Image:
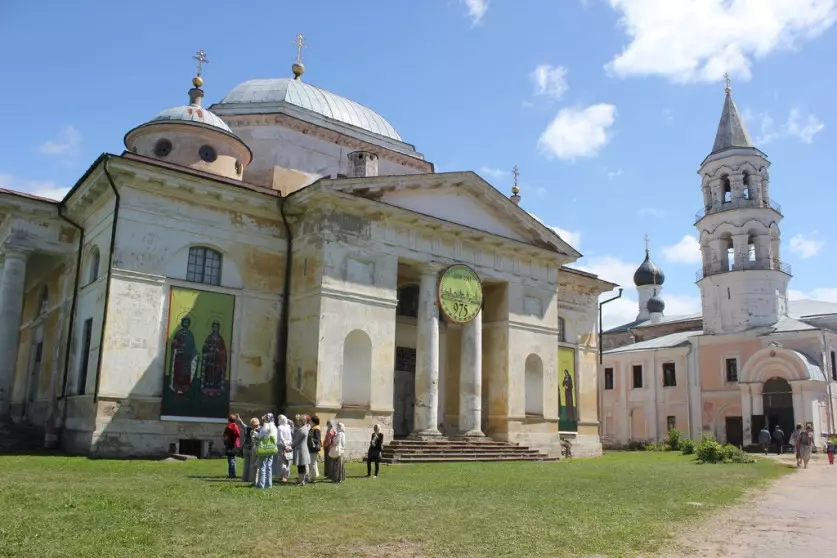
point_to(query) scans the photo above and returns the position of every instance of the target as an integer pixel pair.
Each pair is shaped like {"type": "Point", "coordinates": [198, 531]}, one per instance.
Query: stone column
{"type": "Point", "coordinates": [12, 286]}
{"type": "Point", "coordinates": [426, 421]}
{"type": "Point", "coordinates": [798, 410]}
{"type": "Point", "coordinates": [757, 396]}
{"type": "Point", "coordinates": [470, 379]}
{"type": "Point", "coordinates": [747, 414]}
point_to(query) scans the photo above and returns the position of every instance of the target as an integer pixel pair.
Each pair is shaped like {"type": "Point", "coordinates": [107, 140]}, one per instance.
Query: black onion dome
{"type": "Point", "coordinates": [655, 305]}
{"type": "Point", "coordinates": [648, 273]}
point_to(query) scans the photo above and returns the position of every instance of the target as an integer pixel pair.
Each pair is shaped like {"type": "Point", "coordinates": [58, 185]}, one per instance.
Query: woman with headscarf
{"type": "Point", "coordinates": [248, 447]}
{"type": "Point", "coordinates": [806, 444]}
{"type": "Point", "coordinates": [265, 450]}
{"type": "Point", "coordinates": [376, 447]}
{"type": "Point", "coordinates": [328, 440]}
{"type": "Point", "coordinates": [300, 444]}
{"type": "Point", "coordinates": [338, 447]}
{"type": "Point", "coordinates": [285, 443]}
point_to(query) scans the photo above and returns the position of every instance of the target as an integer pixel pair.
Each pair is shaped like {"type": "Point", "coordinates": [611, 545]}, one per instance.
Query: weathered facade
{"type": "Point", "coordinates": [285, 255]}
{"type": "Point", "coordinates": [751, 358]}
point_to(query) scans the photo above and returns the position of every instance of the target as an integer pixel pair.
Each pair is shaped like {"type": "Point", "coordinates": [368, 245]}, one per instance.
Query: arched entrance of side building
{"type": "Point", "coordinates": [781, 387]}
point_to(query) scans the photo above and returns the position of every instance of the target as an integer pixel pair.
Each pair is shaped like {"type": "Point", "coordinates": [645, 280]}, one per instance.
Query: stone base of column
{"type": "Point", "coordinates": [427, 436]}
{"type": "Point", "coordinates": [475, 436]}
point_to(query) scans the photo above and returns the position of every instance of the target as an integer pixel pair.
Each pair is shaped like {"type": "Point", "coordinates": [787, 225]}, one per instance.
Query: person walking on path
{"type": "Point", "coordinates": [232, 441]}
{"type": "Point", "coordinates": [376, 446]}
{"type": "Point", "coordinates": [778, 439]}
{"type": "Point", "coordinates": [829, 449]}
{"type": "Point", "coordinates": [794, 441]}
{"type": "Point", "coordinates": [806, 445]}
{"type": "Point", "coordinates": [764, 439]}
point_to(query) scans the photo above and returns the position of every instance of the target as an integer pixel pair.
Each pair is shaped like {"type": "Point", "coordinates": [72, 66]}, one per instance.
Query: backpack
{"type": "Point", "coordinates": [314, 442]}
{"type": "Point", "coordinates": [805, 439]}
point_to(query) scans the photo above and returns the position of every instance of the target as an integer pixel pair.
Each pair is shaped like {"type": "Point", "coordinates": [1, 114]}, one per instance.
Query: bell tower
{"type": "Point", "coordinates": [743, 283]}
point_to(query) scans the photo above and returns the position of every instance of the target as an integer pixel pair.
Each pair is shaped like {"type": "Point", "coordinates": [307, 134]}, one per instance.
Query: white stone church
{"type": "Point", "coordinates": [280, 251]}
{"type": "Point", "coordinates": [752, 357]}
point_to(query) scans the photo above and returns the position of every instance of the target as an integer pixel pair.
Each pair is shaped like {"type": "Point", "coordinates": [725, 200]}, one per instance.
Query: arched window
{"type": "Point", "coordinates": [43, 300]}
{"type": "Point", "coordinates": [562, 330]}
{"type": "Point", "coordinates": [408, 300]}
{"type": "Point", "coordinates": [534, 385]}
{"type": "Point", "coordinates": [357, 370]}
{"type": "Point", "coordinates": [93, 260]}
{"type": "Point", "coordinates": [726, 189]}
{"type": "Point", "coordinates": [204, 266]}
{"type": "Point", "coordinates": [746, 180]}
{"type": "Point", "coordinates": [751, 248]}
{"type": "Point", "coordinates": [727, 253]}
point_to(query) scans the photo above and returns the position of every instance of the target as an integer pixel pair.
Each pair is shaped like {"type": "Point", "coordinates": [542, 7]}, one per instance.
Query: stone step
{"type": "Point", "coordinates": [464, 459]}
{"type": "Point", "coordinates": [457, 454]}
{"type": "Point", "coordinates": [452, 451]}
{"type": "Point", "coordinates": [457, 448]}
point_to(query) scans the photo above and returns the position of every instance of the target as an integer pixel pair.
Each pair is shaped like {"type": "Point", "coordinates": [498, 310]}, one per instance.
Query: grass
{"type": "Point", "coordinates": [621, 504]}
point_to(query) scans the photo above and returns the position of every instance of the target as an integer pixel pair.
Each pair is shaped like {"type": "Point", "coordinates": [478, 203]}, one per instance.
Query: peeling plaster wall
{"type": "Point", "coordinates": [155, 230]}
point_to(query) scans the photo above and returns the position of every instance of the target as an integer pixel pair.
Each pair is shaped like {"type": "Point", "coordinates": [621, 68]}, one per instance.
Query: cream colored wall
{"type": "Point", "coordinates": [713, 361]}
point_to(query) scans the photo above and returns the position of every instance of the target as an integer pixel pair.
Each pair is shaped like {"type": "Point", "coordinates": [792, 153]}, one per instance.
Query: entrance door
{"type": "Point", "coordinates": [735, 431]}
{"type": "Point", "coordinates": [403, 392]}
{"type": "Point", "coordinates": [777, 398]}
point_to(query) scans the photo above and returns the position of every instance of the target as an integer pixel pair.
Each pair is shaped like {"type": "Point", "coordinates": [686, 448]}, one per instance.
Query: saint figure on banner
{"type": "Point", "coordinates": [569, 400]}
{"type": "Point", "coordinates": [213, 362]}
{"type": "Point", "coordinates": [184, 357]}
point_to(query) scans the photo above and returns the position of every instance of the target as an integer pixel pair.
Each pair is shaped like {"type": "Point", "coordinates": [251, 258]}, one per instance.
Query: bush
{"type": "Point", "coordinates": [710, 451]}
{"type": "Point", "coordinates": [636, 445]}
{"type": "Point", "coordinates": [687, 446]}
{"type": "Point", "coordinates": [732, 454]}
{"type": "Point", "coordinates": [674, 439]}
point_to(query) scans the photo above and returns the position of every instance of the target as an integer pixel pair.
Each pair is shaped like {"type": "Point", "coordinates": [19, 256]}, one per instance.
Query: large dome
{"type": "Point", "coordinates": [256, 94]}
{"type": "Point", "coordinates": [192, 113]}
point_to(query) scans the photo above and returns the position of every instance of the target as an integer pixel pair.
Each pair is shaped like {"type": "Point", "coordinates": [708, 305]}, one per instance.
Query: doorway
{"type": "Point", "coordinates": [777, 398]}
{"type": "Point", "coordinates": [403, 392]}
{"type": "Point", "coordinates": [735, 431]}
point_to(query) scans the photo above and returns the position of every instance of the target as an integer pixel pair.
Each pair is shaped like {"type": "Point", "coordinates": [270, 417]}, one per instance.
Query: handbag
{"type": "Point", "coordinates": [335, 452]}
{"type": "Point", "coordinates": [267, 447]}
{"type": "Point", "coordinates": [288, 454]}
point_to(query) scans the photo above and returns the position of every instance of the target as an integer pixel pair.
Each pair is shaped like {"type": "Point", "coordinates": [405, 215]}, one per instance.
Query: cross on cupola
{"type": "Point", "coordinates": [298, 67]}
{"type": "Point", "coordinates": [200, 56]}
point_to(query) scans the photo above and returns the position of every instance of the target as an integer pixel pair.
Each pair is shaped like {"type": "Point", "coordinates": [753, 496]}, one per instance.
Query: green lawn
{"type": "Point", "coordinates": [619, 505]}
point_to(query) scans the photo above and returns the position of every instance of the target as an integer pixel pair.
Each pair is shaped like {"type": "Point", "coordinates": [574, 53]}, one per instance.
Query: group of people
{"type": "Point", "coordinates": [802, 441]}
{"type": "Point", "coordinates": [272, 446]}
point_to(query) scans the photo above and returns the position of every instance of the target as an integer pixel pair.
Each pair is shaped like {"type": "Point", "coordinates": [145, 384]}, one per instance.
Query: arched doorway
{"type": "Point", "coordinates": [777, 398]}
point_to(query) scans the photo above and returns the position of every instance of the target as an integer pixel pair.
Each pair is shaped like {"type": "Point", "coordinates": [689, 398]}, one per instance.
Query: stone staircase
{"type": "Point", "coordinates": [457, 451]}
{"type": "Point", "coordinates": [15, 438]}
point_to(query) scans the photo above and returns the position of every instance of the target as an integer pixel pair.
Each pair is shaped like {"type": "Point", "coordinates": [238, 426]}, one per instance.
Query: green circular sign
{"type": "Point", "coordinates": [460, 293]}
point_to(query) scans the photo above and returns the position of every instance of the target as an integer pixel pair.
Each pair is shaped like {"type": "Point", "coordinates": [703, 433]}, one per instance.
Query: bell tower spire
{"type": "Point", "coordinates": [743, 283]}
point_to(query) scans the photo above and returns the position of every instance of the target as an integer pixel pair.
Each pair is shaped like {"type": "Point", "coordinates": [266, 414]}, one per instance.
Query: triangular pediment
{"type": "Point", "coordinates": [462, 198]}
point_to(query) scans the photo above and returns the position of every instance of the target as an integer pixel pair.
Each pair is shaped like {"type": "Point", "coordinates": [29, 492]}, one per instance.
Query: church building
{"type": "Point", "coordinates": [286, 250]}
{"type": "Point", "coordinates": [751, 358]}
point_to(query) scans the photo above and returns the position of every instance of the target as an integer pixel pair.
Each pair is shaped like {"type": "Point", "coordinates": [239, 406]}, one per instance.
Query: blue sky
{"type": "Point", "coordinates": [607, 106]}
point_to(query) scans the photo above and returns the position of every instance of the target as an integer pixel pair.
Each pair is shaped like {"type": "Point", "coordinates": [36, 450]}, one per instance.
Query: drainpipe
{"type": "Point", "coordinates": [601, 358]}
{"type": "Point", "coordinates": [282, 364]}
{"type": "Point", "coordinates": [109, 278]}
{"type": "Point", "coordinates": [75, 299]}
{"type": "Point", "coordinates": [828, 378]}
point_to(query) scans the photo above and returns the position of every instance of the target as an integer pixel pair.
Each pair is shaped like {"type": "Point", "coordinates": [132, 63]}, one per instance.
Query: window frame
{"type": "Point", "coordinates": [609, 373]}
{"type": "Point", "coordinates": [196, 269]}
{"type": "Point", "coordinates": [673, 371]}
{"type": "Point", "coordinates": [634, 369]}
{"type": "Point", "coordinates": [725, 369]}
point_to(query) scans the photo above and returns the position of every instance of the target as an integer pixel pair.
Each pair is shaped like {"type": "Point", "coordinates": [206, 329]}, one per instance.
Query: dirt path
{"type": "Point", "coordinates": [796, 517]}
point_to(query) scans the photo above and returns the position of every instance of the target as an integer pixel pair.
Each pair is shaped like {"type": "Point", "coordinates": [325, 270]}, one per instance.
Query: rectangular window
{"type": "Point", "coordinates": [637, 368]}
{"type": "Point", "coordinates": [608, 378]}
{"type": "Point", "coordinates": [669, 376]}
{"type": "Point", "coordinates": [204, 266]}
{"type": "Point", "coordinates": [732, 369]}
{"type": "Point", "coordinates": [81, 387]}
{"type": "Point", "coordinates": [671, 422]}
{"type": "Point", "coordinates": [834, 366]}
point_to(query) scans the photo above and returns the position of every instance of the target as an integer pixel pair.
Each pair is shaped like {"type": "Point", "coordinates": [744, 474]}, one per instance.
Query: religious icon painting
{"type": "Point", "coordinates": [197, 367]}
{"type": "Point", "coordinates": [567, 393]}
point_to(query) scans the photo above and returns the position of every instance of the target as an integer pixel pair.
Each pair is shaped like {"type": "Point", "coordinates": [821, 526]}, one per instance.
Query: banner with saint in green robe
{"type": "Point", "coordinates": [196, 381]}
{"type": "Point", "coordinates": [567, 393]}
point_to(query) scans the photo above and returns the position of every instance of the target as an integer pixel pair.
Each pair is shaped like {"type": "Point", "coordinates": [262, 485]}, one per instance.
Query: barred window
{"type": "Point", "coordinates": [204, 266]}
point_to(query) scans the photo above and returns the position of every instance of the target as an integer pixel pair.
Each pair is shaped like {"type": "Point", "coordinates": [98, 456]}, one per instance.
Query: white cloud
{"type": "Point", "coordinates": [573, 238]}
{"type": "Point", "coordinates": [685, 251]}
{"type": "Point", "coordinates": [67, 142]}
{"type": "Point", "coordinates": [651, 212]}
{"type": "Point", "coordinates": [550, 80]}
{"type": "Point", "coordinates": [802, 127]}
{"type": "Point", "coordinates": [804, 131]}
{"type": "Point", "coordinates": [699, 40]}
{"type": "Point", "coordinates": [476, 9]}
{"type": "Point", "coordinates": [541, 192]}
{"type": "Point", "coordinates": [578, 132]}
{"type": "Point", "coordinates": [614, 174]}
{"type": "Point", "coordinates": [822, 293]}
{"type": "Point", "coordinates": [493, 173]}
{"type": "Point", "coordinates": [40, 188]}
{"type": "Point", "coordinates": [806, 246]}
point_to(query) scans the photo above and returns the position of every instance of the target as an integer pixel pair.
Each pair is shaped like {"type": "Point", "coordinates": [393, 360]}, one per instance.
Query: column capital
{"type": "Point", "coordinates": [12, 251]}
{"type": "Point", "coordinates": [430, 268]}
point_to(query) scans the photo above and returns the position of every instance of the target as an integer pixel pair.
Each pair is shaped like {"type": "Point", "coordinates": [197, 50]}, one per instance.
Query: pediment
{"type": "Point", "coordinates": [462, 198]}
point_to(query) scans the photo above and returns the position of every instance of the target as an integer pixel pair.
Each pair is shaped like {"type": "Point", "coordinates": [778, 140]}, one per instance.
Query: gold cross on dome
{"type": "Point", "coordinates": [300, 44]}
{"type": "Point", "coordinates": [200, 56]}
{"type": "Point", "coordinates": [728, 81]}
{"type": "Point", "coordinates": [516, 173]}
